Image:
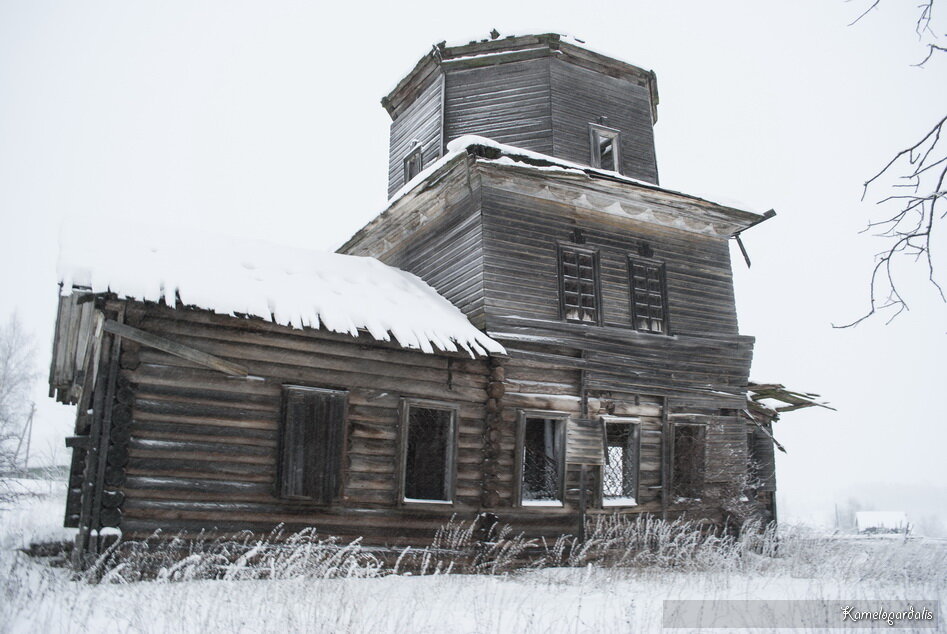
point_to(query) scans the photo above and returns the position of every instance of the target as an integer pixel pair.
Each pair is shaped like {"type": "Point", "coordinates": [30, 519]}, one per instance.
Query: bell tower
{"type": "Point", "coordinates": [543, 93]}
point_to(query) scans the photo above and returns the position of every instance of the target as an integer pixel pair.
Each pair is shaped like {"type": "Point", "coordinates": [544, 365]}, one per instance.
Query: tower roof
{"type": "Point", "coordinates": [489, 52]}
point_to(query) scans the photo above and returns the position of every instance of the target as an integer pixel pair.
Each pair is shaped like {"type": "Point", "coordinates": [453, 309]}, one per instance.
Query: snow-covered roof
{"type": "Point", "coordinates": [292, 286]}
{"type": "Point", "coordinates": [512, 155]}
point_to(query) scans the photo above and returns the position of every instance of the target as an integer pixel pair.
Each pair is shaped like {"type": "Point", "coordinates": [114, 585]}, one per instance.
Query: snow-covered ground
{"type": "Point", "coordinates": [35, 597]}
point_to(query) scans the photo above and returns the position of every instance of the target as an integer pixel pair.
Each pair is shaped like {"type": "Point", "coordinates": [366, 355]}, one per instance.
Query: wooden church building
{"type": "Point", "coordinates": [534, 328]}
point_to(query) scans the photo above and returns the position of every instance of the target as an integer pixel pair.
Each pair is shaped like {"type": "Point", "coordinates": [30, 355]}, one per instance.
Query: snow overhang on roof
{"type": "Point", "coordinates": [708, 216]}
{"type": "Point", "coordinates": [290, 286]}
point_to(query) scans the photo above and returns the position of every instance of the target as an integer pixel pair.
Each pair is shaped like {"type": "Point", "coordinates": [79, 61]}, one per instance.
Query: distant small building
{"type": "Point", "coordinates": [876, 522]}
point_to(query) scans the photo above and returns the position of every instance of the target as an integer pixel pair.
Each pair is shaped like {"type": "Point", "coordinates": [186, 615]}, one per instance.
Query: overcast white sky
{"type": "Point", "coordinates": [262, 119]}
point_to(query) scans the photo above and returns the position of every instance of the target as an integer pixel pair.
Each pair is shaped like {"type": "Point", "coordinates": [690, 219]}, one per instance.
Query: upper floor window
{"type": "Point", "coordinates": [579, 294]}
{"type": "Point", "coordinates": [606, 147]}
{"type": "Point", "coordinates": [648, 296]}
{"type": "Point", "coordinates": [428, 451]}
{"type": "Point", "coordinates": [620, 471]}
{"type": "Point", "coordinates": [541, 459]}
{"type": "Point", "coordinates": [311, 441]}
{"type": "Point", "coordinates": [413, 163]}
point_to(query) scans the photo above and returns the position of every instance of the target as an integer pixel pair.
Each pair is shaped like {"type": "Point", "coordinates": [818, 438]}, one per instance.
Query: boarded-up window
{"type": "Point", "coordinates": [620, 471]}
{"type": "Point", "coordinates": [541, 460]}
{"type": "Point", "coordinates": [413, 164]}
{"type": "Point", "coordinates": [648, 296]}
{"type": "Point", "coordinates": [605, 144]}
{"type": "Point", "coordinates": [688, 464]}
{"type": "Point", "coordinates": [578, 284]}
{"type": "Point", "coordinates": [428, 452]}
{"type": "Point", "coordinates": [311, 437]}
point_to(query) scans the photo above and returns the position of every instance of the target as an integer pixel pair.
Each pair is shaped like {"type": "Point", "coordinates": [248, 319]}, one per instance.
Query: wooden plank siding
{"type": "Point", "coordinates": [520, 273]}
{"type": "Point", "coordinates": [625, 106]}
{"type": "Point", "coordinates": [513, 220]}
{"type": "Point", "coordinates": [509, 103]}
{"type": "Point", "coordinates": [436, 234]}
{"type": "Point", "coordinates": [419, 121]}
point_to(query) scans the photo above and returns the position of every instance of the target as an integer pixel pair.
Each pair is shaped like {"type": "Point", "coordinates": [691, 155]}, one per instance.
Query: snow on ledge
{"type": "Point", "coordinates": [292, 286]}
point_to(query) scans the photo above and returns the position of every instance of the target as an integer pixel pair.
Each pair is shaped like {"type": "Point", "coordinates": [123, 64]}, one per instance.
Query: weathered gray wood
{"type": "Point", "coordinates": [172, 347]}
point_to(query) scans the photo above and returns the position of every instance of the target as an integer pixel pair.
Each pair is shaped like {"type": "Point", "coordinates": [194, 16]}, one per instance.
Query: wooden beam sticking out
{"type": "Point", "coordinates": [177, 349]}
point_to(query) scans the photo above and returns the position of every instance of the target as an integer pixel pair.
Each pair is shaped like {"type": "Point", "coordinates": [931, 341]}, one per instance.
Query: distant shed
{"type": "Point", "coordinates": [882, 522]}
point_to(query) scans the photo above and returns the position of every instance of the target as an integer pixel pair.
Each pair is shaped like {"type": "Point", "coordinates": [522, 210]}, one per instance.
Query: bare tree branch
{"type": "Point", "coordinates": [921, 170]}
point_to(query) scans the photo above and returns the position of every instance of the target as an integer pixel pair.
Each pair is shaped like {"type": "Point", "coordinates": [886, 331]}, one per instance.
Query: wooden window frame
{"type": "Point", "coordinates": [562, 419]}
{"type": "Point", "coordinates": [673, 459]}
{"type": "Point", "coordinates": [561, 248]}
{"type": "Point", "coordinates": [662, 277]}
{"type": "Point", "coordinates": [339, 484]}
{"type": "Point", "coordinates": [451, 476]}
{"type": "Point", "coordinates": [635, 424]}
{"type": "Point", "coordinates": [596, 131]}
{"type": "Point", "coordinates": [416, 153]}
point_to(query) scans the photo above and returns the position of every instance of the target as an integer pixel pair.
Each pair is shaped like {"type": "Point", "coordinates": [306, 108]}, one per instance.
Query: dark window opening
{"type": "Point", "coordinates": [428, 454]}
{"type": "Point", "coordinates": [688, 466]}
{"type": "Point", "coordinates": [606, 147]}
{"type": "Point", "coordinates": [648, 296]}
{"type": "Point", "coordinates": [578, 285]}
{"type": "Point", "coordinates": [311, 442]}
{"type": "Point", "coordinates": [413, 164]}
{"type": "Point", "coordinates": [542, 460]}
{"type": "Point", "coordinates": [753, 470]}
{"type": "Point", "coordinates": [620, 472]}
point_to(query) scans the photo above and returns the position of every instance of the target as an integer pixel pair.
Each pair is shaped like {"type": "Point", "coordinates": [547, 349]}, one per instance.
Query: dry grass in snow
{"type": "Point", "coordinates": [616, 581]}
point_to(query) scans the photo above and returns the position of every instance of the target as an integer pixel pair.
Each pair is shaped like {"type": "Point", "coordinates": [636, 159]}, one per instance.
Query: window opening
{"type": "Point", "coordinates": [428, 454]}
{"type": "Point", "coordinates": [542, 460]}
{"type": "Point", "coordinates": [688, 466]}
{"type": "Point", "coordinates": [578, 282]}
{"type": "Point", "coordinates": [620, 472]}
{"type": "Point", "coordinates": [606, 147]}
{"type": "Point", "coordinates": [648, 296]}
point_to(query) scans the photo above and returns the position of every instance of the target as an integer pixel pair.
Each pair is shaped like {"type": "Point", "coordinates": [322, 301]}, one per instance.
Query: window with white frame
{"type": "Point", "coordinates": [428, 451]}
{"type": "Point", "coordinates": [413, 163]}
{"type": "Point", "coordinates": [579, 293]}
{"type": "Point", "coordinates": [605, 144]}
{"type": "Point", "coordinates": [541, 441]}
{"type": "Point", "coordinates": [620, 468]}
{"type": "Point", "coordinates": [648, 295]}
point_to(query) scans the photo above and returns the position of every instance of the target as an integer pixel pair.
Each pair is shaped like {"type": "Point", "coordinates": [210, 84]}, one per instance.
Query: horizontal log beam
{"type": "Point", "coordinates": [177, 349]}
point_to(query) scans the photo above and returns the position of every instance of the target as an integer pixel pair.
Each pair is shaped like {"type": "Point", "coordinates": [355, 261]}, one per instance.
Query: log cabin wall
{"type": "Point", "coordinates": [201, 448]}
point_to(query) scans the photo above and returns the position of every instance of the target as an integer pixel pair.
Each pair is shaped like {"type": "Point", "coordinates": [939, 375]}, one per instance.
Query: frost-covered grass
{"type": "Point", "coordinates": [616, 581]}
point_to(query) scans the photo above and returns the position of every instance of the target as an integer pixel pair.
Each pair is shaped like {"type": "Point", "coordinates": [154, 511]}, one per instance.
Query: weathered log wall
{"type": "Point", "coordinates": [202, 449]}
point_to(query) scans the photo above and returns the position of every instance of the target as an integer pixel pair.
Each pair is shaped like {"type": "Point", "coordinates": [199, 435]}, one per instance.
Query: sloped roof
{"type": "Point", "coordinates": [291, 286]}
